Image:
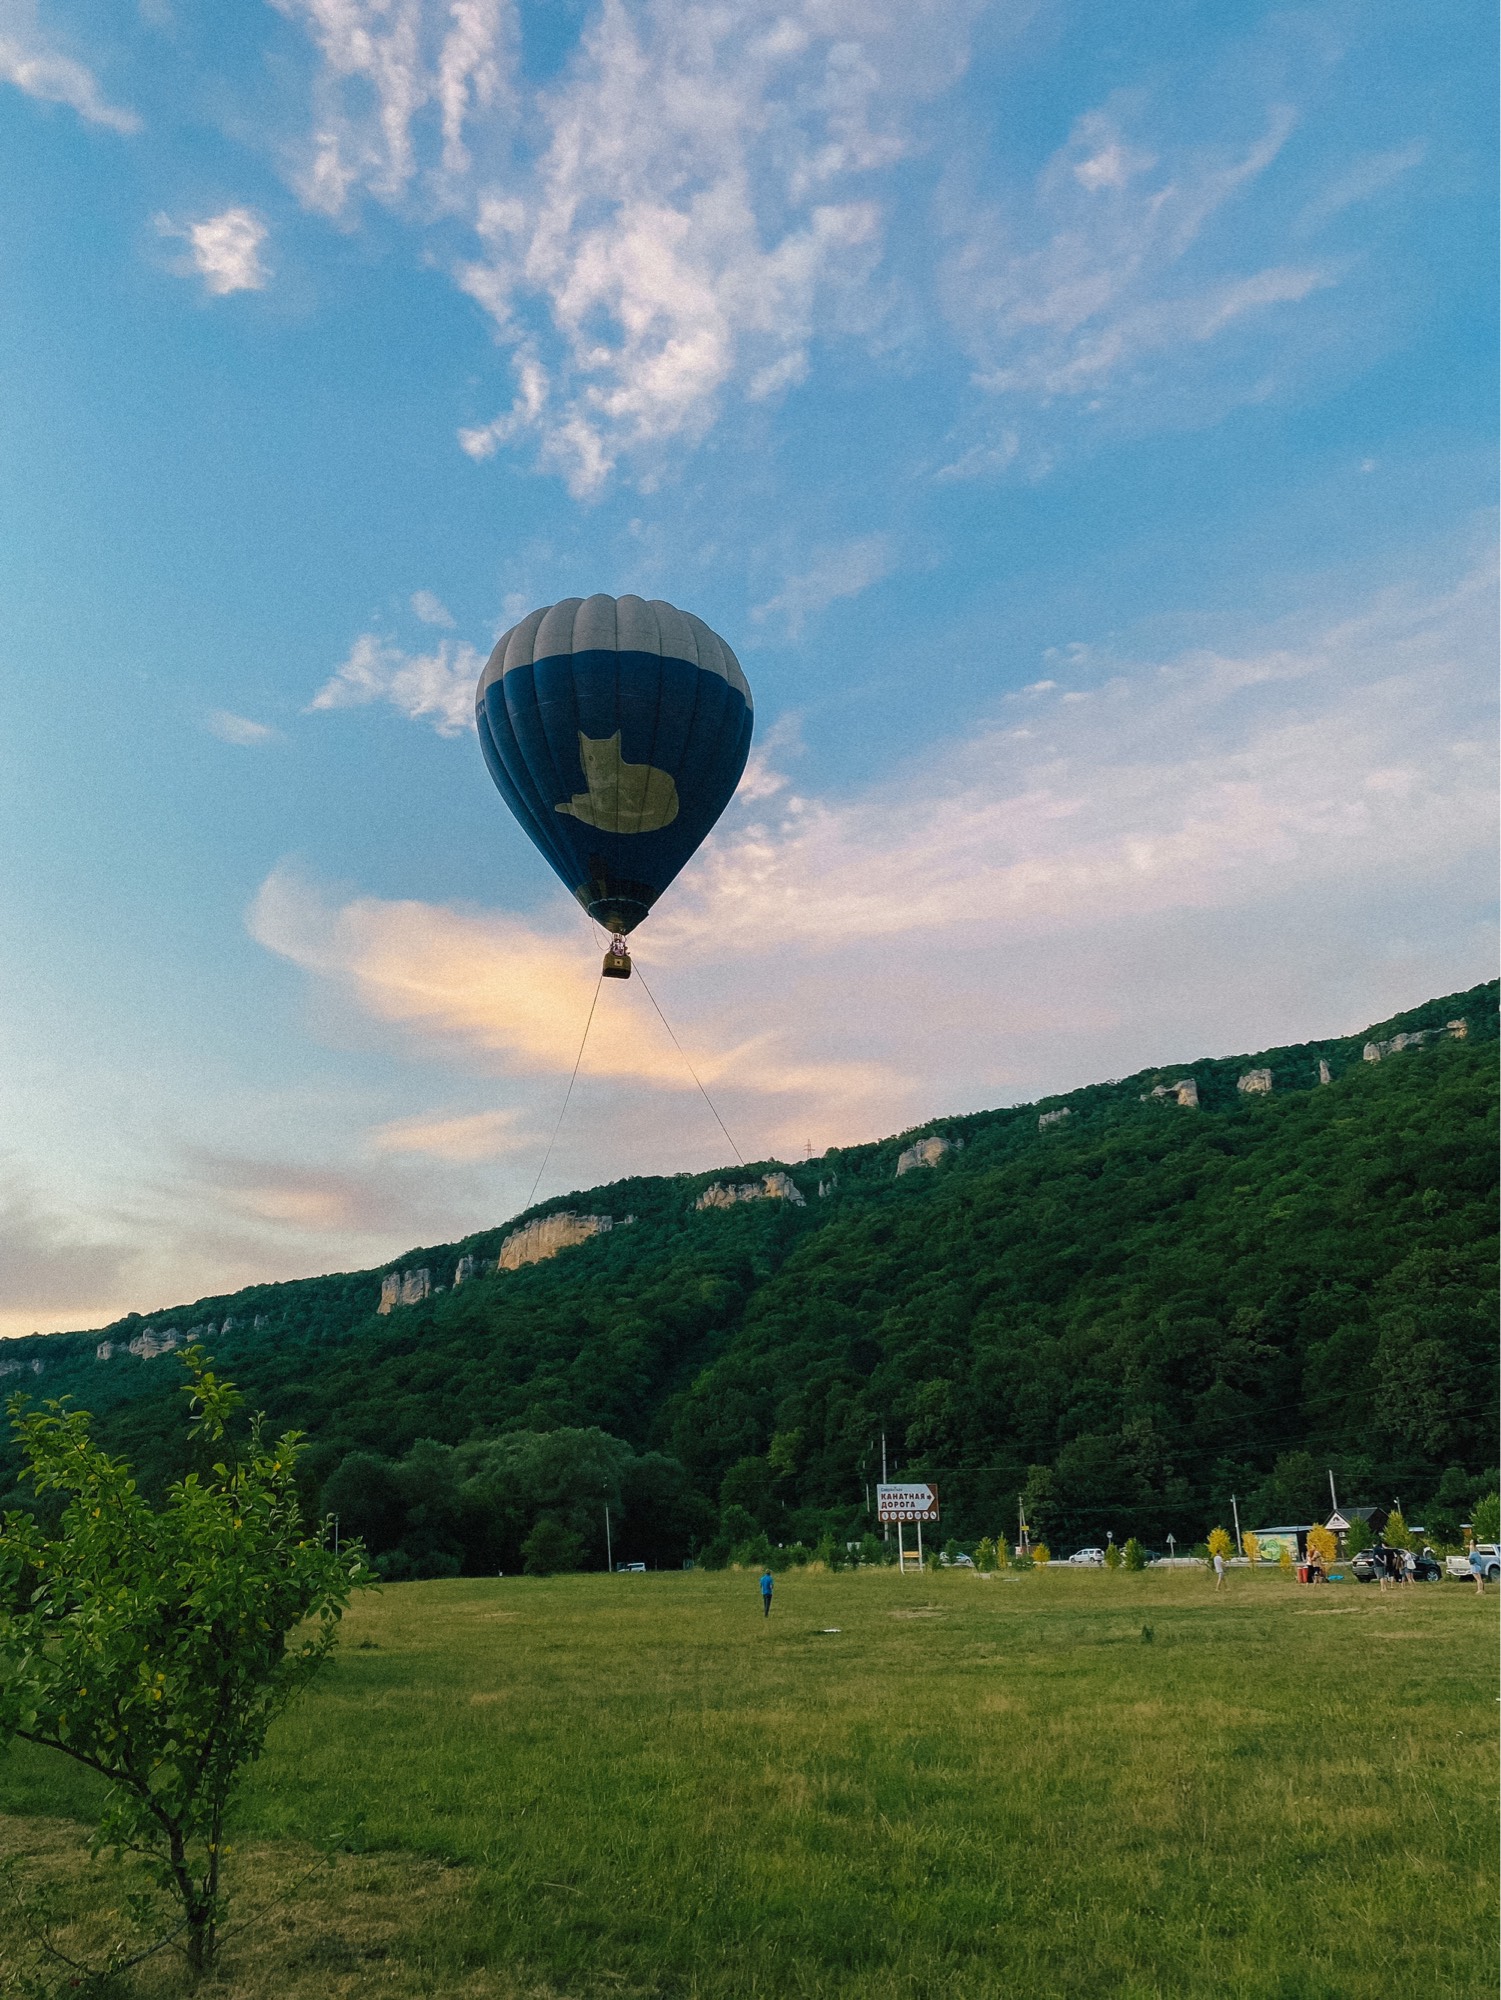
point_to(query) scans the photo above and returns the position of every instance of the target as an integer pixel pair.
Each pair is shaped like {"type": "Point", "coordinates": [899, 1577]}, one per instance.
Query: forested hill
{"type": "Point", "coordinates": [1128, 1313]}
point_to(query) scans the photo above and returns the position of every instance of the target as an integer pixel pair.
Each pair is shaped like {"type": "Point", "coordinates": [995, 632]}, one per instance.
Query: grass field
{"type": "Point", "coordinates": [973, 1787]}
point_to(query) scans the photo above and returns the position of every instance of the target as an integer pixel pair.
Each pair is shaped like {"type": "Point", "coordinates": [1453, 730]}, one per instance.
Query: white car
{"type": "Point", "coordinates": [1485, 1557]}
{"type": "Point", "coordinates": [1088, 1559]}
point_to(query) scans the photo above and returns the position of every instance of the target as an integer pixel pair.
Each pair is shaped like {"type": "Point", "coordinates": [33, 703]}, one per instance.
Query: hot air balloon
{"type": "Point", "coordinates": [616, 730]}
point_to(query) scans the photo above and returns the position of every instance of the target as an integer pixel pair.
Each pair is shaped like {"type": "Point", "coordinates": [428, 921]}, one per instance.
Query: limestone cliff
{"type": "Point", "coordinates": [924, 1153]}
{"type": "Point", "coordinates": [1255, 1083]}
{"type": "Point", "coordinates": [404, 1288]}
{"type": "Point", "coordinates": [1185, 1092]}
{"type": "Point", "coordinates": [1047, 1118]}
{"type": "Point", "coordinates": [549, 1234]}
{"type": "Point", "coordinates": [1452, 1031]}
{"type": "Point", "coordinates": [772, 1187]}
{"type": "Point", "coordinates": [154, 1340]}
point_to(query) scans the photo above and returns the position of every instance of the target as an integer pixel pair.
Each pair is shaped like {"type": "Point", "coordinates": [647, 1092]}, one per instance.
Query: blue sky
{"type": "Point", "coordinates": [1080, 423]}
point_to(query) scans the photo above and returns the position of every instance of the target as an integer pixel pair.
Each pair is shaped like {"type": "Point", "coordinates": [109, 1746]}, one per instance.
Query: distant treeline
{"type": "Point", "coordinates": [1116, 1321]}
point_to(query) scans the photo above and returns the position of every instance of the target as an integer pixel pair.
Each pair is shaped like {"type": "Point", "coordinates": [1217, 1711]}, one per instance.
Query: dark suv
{"type": "Point", "coordinates": [1368, 1566]}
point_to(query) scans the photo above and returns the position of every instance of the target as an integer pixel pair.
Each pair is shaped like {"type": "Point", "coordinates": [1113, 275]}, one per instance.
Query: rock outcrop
{"type": "Point", "coordinates": [925, 1152]}
{"type": "Point", "coordinates": [1326, 1075]}
{"type": "Point", "coordinates": [1185, 1092]}
{"type": "Point", "coordinates": [467, 1268]}
{"type": "Point", "coordinates": [104, 1350]}
{"type": "Point", "coordinates": [549, 1234]}
{"type": "Point", "coordinates": [1047, 1118]}
{"type": "Point", "coordinates": [1255, 1083]}
{"type": "Point", "coordinates": [20, 1367]}
{"type": "Point", "coordinates": [1452, 1031]}
{"type": "Point", "coordinates": [402, 1288]}
{"type": "Point", "coordinates": [154, 1340]}
{"type": "Point", "coordinates": [771, 1187]}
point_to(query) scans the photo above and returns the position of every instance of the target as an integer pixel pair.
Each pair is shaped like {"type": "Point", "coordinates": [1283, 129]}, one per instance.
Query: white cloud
{"type": "Point", "coordinates": [436, 688]}
{"type": "Point", "coordinates": [388, 64]}
{"type": "Point", "coordinates": [28, 62]}
{"type": "Point", "coordinates": [1076, 291]}
{"type": "Point", "coordinates": [232, 728]}
{"type": "Point", "coordinates": [1189, 784]}
{"type": "Point", "coordinates": [430, 609]}
{"type": "Point", "coordinates": [514, 997]}
{"type": "Point", "coordinates": [1234, 846]}
{"type": "Point", "coordinates": [226, 251]}
{"type": "Point", "coordinates": [1360, 181]}
{"type": "Point", "coordinates": [472, 1136]}
{"type": "Point", "coordinates": [843, 570]}
{"type": "Point", "coordinates": [675, 219]}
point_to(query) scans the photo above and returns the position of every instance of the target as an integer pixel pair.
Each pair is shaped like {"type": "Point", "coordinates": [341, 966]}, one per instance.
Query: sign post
{"type": "Point", "coordinates": [914, 1500]}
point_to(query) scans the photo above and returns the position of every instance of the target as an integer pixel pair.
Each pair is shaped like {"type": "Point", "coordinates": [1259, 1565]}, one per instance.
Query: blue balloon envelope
{"type": "Point", "coordinates": [616, 730]}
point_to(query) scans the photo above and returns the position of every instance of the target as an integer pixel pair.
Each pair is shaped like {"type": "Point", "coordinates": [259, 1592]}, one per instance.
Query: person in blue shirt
{"type": "Point", "coordinates": [766, 1593]}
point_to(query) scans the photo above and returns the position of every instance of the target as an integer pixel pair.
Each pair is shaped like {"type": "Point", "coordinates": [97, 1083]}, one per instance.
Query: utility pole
{"type": "Point", "coordinates": [886, 1525]}
{"type": "Point", "coordinates": [1235, 1510]}
{"type": "Point", "coordinates": [609, 1550]}
{"type": "Point", "coordinates": [1333, 1503]}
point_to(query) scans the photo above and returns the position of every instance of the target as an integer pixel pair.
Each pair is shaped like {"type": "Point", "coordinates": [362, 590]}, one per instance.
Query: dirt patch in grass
{"type": "Point", "coordinates": [302, 1926]}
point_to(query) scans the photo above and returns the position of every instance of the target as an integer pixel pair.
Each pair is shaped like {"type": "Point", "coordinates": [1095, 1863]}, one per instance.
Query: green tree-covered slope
{"type": "Point", "coordinates": [1126, 1317]}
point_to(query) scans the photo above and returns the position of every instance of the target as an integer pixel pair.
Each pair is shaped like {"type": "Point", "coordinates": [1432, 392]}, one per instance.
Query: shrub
{"type": "Point", "coordinates": [550, 1548]}
{"type": "Point", "coordinates": [1041, 1553]}
{"type": "Point", "coordinates": [1251, 1546]}
{"type": "Point", "coordinates": [1486, 1523]}
{"type": "Point", "coordinates": [872, 1551]}
{"type": "Point", "coordinates": [156, 1645]}
{"type": "Point", "coordinates": [1221, 1543]}
{"type": "Point", "coordinates": [826, 1553]}
{"type": "Point", "coordinates": [1133, 1556]}
{"type": "Point", "coordinates": [1285, 1560]}
{"type": "Point", "coordinates": [985, 1554]}
{"type": "Point", "coordinates": [1112, 1556]}
{"type": "Point", "coordinates": [1321, 1543]}
{"type": "Point", "coordinates": [1357, 1537]}
{"type": "Point", "coordinates": [1397, 1536]}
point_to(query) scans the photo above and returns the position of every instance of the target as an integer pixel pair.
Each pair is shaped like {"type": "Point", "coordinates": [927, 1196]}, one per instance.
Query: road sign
{"type": "Point", "coordinates": [907, 1503]}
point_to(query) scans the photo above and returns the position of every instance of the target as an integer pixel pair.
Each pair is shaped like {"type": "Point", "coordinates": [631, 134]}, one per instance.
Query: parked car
{"type": "Point", "coordinates": [1367, 1567]}
{"type": "Point", "coordinates": [1088, 1558]}
{"type": "Point", "coordinates": [957, 1562]}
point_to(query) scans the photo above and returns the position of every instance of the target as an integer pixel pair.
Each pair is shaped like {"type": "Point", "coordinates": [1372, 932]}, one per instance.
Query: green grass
{"type": "Point", "coordinates": [974, 1787]}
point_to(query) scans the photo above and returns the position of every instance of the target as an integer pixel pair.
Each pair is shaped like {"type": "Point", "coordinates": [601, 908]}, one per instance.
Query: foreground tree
{"type": "Point", "coordinates": [156, 1645]}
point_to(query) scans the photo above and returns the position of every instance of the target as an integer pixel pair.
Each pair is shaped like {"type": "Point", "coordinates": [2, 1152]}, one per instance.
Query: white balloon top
{"type": "Point", "coordinates": [613, 624]}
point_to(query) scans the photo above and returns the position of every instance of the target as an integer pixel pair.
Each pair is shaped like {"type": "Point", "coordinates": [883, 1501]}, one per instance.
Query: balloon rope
{"type": "Point", "coordinates": [691, 1070]}
{"type": "Point", "coordinates": [569, 1092]}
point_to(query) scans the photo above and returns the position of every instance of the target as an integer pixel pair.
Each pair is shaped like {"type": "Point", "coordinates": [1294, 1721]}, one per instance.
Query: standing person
{"type": "Point", "coordinates": [1477, 1570]}
{"type": "Point", "coordinates": [1219, 1570]}
{"type": "Point", "coordinates": [766, 1581]}
{"type": "Point", "coordinates": [1381, 1558]}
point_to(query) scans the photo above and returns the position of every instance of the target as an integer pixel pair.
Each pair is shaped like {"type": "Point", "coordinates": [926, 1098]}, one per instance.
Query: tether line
{"type": "Point", "coordinates": [691, 1070]}
{"type": "Point", "coordinates": [569, 1092]}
